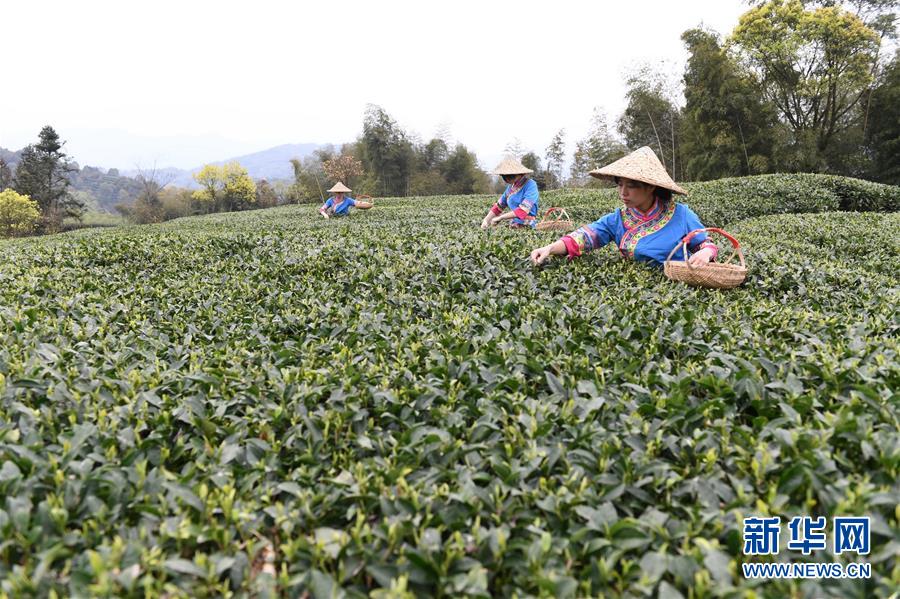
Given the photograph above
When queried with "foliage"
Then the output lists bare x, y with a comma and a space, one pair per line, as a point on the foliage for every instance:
651, 117
446, 421
598, 148
883, 131
6, 177
555, 156
461, 173
19, 214
533, 161
727, 201
726, 128
387, 152
814, 64
225, 188
265, 195
43, 175
344, 168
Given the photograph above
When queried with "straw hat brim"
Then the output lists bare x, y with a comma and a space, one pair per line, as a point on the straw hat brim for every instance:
641, 165
511, 166
339, 188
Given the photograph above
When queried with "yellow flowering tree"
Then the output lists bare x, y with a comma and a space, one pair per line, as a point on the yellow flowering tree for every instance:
225, 188
19, 214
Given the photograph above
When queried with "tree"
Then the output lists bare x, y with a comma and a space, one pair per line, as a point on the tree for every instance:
225, 188
515, 148
148, 206
386, 151
265, 195
343, 168
883, 133
6, 178
598, 148
726, 129
308, 179
651, 118
461, 173
533, 161
814, 65
432, 154
43, 175
19, 214
555, 155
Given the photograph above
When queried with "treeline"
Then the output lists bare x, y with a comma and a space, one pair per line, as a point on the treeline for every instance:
798, 86
98, 189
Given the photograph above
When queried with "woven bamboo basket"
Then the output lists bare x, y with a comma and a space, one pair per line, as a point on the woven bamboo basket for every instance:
555, 219
715, 275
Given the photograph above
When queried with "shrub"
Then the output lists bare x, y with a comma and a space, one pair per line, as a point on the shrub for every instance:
19, 214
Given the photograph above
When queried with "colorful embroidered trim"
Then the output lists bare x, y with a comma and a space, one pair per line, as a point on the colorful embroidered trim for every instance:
635, 229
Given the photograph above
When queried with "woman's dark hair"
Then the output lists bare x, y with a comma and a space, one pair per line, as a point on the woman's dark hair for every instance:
660, 193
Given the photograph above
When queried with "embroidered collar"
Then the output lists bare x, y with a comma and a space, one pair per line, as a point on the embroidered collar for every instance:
645, 216
637, 228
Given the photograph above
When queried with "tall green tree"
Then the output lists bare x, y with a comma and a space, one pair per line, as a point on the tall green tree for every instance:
726, 128
651, 118
598, 148
461, 172
533, 161
43, 174
6, 177
555, 155
883, 132
815, 64
387, 152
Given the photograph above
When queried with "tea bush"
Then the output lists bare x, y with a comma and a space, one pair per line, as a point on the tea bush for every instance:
269, 403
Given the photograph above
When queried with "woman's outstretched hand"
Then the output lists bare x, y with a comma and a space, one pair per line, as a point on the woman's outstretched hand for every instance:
487, 222
702, 257
540, 255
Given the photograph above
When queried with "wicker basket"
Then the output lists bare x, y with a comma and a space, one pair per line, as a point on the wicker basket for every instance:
555, 219
716, 275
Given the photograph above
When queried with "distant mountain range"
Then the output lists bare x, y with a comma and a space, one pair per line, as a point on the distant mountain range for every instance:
271, 164
104, 188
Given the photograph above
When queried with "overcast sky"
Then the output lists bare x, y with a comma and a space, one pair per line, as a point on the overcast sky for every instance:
182, 83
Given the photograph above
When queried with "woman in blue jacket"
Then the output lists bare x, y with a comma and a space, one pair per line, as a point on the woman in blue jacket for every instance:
519, 202
339, 204
647, 225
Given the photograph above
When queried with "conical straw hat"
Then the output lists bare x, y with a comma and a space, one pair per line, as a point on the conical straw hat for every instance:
511, 166
640, 165
339, 188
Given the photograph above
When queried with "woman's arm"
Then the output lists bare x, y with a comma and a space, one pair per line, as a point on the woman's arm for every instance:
557, 248
490, 217
505, 216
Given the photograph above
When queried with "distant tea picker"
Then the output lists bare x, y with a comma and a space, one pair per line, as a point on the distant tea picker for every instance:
340, 204
519, 201
647, 226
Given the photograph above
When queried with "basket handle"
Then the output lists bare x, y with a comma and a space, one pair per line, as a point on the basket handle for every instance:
560, 213
735, 245
363, 196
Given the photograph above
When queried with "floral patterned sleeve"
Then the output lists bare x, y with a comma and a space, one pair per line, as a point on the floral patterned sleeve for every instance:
592, 236
501, 204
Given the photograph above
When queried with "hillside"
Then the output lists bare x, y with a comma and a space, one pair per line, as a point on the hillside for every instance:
400, 400
102, 189
271, 164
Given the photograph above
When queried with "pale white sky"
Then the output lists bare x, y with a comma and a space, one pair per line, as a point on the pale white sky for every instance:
184, 82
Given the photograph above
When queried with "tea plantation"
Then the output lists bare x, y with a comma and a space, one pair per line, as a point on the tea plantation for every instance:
398, 404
